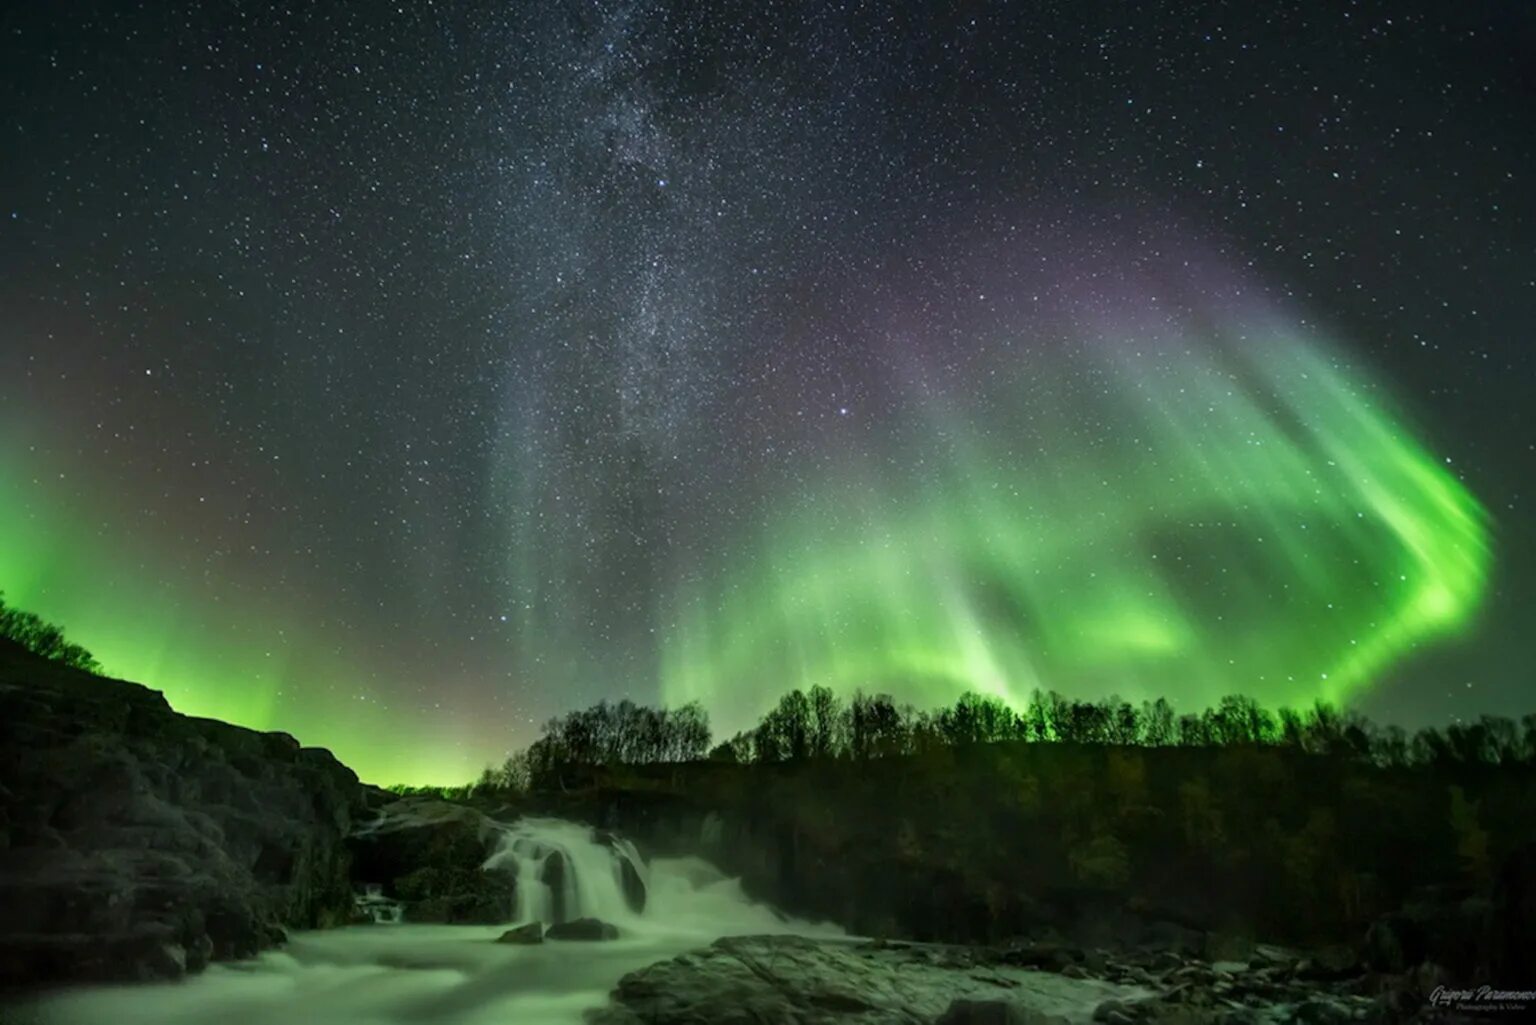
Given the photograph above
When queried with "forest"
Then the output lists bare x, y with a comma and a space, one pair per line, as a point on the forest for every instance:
818, 725
42, 638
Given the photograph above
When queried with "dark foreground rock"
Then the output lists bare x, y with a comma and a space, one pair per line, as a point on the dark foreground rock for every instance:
755, 980
994, 1012
533, 932
582, 929
138, 843
750, 980
430, 854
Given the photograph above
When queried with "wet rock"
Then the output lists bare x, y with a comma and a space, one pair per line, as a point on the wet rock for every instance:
1269, 955
1227, 946
582, 929
1113, 1012
532, 932
1051, 957
1322, 1011
747, 980
994, 1012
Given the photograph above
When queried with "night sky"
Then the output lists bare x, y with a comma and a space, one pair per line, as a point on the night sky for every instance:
400, 376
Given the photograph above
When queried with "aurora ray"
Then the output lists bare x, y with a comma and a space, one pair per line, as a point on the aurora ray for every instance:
1174, 511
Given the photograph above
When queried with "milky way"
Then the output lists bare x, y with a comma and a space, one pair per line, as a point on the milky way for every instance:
399, 378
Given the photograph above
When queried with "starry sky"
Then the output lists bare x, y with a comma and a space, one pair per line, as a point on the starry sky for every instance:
401, 375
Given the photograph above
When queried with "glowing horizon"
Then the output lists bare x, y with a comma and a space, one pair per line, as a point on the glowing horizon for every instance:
1171, 515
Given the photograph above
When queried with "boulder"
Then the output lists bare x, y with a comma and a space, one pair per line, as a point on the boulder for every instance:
1042, 954
1227, 946
1322, 1011
1112, 1011
532, 932
746, 980
995, 1012
582, 929
137, 843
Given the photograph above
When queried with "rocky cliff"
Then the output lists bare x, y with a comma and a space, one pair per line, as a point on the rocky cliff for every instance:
139, 843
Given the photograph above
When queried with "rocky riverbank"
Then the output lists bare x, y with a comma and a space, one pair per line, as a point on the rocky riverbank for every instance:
746, 980
750, 980
137, 843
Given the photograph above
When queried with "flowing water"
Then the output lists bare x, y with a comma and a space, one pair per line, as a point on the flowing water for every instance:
589, 877
385, 974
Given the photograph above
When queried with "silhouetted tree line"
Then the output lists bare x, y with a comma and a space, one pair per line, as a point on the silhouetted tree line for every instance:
980, 820
817, 724
42, 638
608, 735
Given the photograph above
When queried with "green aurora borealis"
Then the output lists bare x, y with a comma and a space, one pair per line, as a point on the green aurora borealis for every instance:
401, 378
1244, 518
262, 663
1178, 517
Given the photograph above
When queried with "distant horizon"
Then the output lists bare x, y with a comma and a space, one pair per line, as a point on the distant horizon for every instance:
720, 735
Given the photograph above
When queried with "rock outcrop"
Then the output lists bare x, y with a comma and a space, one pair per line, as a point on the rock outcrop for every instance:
746, 980
582, 929
139, 843
531, 932
993, 1012
430, 855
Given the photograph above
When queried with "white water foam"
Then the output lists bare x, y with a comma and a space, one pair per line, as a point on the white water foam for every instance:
454, 975
588, 874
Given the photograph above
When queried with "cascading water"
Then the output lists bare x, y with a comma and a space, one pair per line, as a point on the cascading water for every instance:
566, 871
409, 974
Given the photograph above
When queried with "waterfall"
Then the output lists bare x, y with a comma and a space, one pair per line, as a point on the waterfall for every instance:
567, 871
458, 974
